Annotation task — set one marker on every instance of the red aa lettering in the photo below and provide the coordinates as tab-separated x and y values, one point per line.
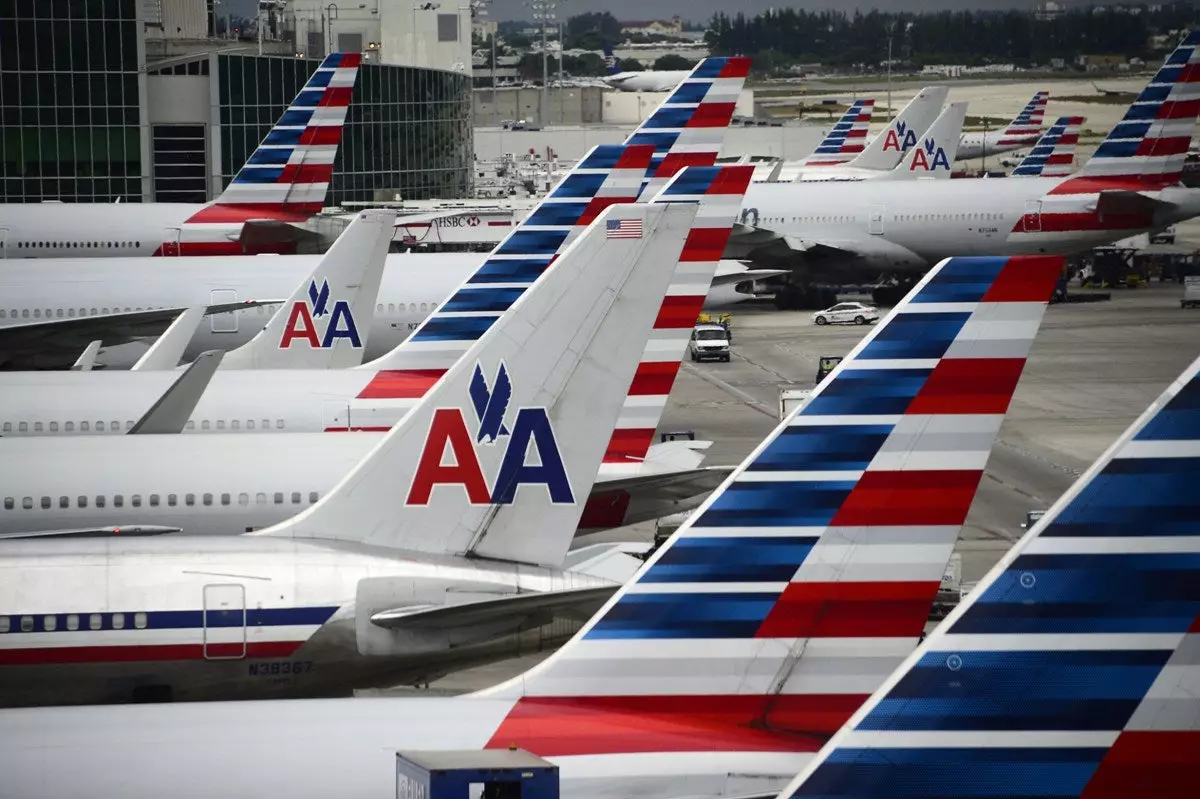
300	325
919	160
448	427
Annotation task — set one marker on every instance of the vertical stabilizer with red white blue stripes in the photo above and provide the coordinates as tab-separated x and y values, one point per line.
292	168
847	138
792	593
1150	144
1073	669
1026	127
1054	154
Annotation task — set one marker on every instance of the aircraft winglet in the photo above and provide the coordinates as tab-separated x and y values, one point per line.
549	375
326	322
168	349
1073	669
87	358
171	411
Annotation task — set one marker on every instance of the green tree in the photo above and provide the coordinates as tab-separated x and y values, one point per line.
592	30
673	63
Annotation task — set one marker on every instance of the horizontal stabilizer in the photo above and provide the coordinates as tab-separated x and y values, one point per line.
171	412
111	531
581	602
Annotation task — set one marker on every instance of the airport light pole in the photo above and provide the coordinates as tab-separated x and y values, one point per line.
543	13
331	13
891	30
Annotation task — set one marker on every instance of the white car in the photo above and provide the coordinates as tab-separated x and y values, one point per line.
847	313
709	342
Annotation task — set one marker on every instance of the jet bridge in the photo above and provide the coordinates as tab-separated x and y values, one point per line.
475	774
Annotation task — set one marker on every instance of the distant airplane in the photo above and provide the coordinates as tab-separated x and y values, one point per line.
641	81
1026	128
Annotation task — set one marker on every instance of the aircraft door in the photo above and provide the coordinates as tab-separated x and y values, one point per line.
170	243
1033	216
875	221
223	322
336	416
224	621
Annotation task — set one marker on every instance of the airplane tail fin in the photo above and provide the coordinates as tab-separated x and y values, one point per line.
848	137
325	323
788	597
719	191
550	376
611	62
1150	144
1027	125
1073	668
935	151
885	150
292	167
1054	154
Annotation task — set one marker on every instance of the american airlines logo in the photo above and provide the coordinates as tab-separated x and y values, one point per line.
530	428
301	326
929	158
899	138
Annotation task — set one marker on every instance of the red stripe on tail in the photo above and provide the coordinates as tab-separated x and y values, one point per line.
1149	764
968	385
400	384
1026	279
850	610
924	497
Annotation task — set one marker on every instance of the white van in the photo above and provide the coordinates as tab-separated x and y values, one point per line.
709	342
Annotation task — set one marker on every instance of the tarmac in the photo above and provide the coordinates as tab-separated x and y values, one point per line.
1093	369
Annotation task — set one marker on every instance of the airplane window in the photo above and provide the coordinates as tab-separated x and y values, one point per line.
295	497
249	424
8	427
313	496
379	307
27	624
279	424
27	503
278	497
235	425
99	427
260	498
23	427
118	500
103	310
392	307
220	424
191	425
139	620
137	244
208	499
189	500
69	427
243	499
37	313
81	501
54	427
94	621
93	312
171	500
5	624
73	622
118	621
45	503
129	424
24	313
3	314
204	425
136	500
8	503
58	312
64	502
49	623
412	306
37	427
83	427
424	306
154	500
224	499
266	424
99	500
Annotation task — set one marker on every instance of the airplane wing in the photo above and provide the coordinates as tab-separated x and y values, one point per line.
56	343
133	530
580	602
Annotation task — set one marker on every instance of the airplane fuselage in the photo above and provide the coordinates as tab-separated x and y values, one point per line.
113	620
981	145
645	81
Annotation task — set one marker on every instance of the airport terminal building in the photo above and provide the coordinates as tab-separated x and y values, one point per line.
106	100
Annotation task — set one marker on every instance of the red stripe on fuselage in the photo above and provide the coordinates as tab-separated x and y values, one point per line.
564	726
920	497
59	655
850	610
400	384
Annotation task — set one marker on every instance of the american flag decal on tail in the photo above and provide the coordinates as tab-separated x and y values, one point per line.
623	229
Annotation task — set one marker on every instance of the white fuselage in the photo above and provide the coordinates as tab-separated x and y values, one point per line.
223	484
980	145
645	81
182	618
90	230
897	224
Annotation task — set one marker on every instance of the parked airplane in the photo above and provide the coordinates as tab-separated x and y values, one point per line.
549	377
884	152
846	139
748	638
282	184
646	80
1073	669
889	225
1025	129
638	481
1054	154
